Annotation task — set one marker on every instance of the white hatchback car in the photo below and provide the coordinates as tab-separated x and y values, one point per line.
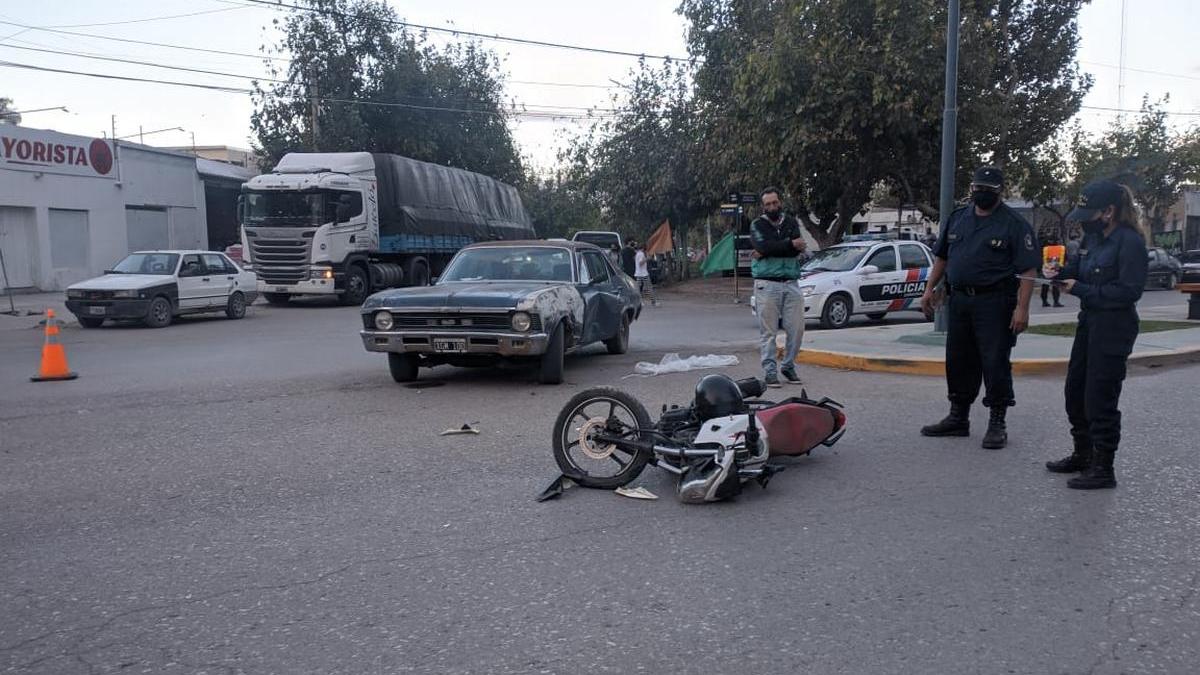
871	277
156	286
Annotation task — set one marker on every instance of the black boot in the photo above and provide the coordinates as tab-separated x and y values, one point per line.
957	423
997	432
1078	460
1099	474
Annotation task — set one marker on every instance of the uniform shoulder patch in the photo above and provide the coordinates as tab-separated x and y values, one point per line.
1028	242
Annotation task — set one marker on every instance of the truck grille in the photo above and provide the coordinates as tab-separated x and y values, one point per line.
280	261
450	322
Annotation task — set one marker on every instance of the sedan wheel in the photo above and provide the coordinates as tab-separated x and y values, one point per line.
159	314
236	307
837	312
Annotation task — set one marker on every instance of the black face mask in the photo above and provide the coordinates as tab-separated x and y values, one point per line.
1094	226
985	200
773	214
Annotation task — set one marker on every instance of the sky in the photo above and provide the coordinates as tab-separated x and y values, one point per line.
1160	59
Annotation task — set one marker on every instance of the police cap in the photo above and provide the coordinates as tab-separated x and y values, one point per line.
1094	198
989	176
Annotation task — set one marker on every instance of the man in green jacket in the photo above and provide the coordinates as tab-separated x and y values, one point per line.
776	267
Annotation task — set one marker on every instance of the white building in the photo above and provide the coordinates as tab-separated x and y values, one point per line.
71	206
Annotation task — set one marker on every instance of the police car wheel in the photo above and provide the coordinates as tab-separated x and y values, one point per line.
837	311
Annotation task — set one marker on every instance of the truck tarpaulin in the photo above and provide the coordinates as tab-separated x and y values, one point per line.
419	198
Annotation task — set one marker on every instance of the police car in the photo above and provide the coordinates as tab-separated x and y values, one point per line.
871	277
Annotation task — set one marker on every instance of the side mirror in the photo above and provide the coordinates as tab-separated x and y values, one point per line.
867	269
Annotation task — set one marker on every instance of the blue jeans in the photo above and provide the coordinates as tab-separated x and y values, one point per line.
779	304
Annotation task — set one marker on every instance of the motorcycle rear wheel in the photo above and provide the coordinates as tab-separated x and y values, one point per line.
594	464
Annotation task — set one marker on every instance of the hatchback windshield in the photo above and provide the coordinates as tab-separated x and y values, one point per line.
147	263
510	263
835	259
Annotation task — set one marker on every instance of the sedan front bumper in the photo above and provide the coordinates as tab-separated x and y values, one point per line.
132	308
455	343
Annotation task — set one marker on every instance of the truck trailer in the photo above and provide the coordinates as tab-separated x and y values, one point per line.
351	223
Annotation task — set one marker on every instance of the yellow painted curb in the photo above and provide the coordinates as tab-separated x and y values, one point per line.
937	367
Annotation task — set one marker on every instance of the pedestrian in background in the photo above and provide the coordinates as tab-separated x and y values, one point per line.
1051	289
775	267
1107	276
642	275
629	259
981	251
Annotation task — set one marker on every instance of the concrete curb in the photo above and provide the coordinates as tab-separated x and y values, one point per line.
937	367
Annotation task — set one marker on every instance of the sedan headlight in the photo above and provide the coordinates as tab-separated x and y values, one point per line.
521	322
383	320
807	290
125	294
74	293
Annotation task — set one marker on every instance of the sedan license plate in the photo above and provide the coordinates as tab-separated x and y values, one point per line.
449	345
96	309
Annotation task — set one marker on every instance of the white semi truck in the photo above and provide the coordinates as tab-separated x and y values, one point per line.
351	223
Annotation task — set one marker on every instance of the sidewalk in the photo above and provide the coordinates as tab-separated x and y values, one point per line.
915	349
31	309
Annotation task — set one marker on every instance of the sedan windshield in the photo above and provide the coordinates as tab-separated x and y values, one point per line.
835	259
147	263
510	263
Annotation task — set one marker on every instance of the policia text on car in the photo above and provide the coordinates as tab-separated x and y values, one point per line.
981	251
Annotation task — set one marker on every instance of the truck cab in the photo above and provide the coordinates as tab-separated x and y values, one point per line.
304	226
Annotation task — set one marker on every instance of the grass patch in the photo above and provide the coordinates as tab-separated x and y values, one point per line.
1147	326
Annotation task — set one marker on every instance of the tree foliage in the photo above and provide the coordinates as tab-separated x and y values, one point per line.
359	81
6	105
642	165
1141	152
831	97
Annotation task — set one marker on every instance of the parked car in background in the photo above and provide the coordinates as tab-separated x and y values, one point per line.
605	239
522	301
1164	270
154	287
1189	272
872	276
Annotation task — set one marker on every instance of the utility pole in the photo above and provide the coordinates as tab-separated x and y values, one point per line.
949	132
312	106
141	136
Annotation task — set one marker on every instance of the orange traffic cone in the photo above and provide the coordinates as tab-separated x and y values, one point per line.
54	359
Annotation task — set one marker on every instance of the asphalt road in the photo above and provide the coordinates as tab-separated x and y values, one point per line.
260	497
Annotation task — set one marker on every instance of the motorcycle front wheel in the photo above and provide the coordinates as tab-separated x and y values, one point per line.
592	463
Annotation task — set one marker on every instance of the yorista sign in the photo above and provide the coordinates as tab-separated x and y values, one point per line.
24	149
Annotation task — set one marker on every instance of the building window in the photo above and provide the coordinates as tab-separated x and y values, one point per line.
69	244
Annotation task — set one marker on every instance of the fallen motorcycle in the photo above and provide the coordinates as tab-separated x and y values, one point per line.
604	438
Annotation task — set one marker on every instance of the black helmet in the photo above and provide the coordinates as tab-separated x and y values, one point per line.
718	396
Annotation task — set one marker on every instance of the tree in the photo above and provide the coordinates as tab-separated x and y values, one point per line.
830	97
358	80
641	163
559	205
7	117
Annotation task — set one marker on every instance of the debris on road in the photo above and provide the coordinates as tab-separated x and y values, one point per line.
464	429
636	493
671	363
555	489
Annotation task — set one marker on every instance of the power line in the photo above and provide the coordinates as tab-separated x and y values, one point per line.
1141	70
145	20
514	112
148	43
1169	113
551	108
279	5
245	54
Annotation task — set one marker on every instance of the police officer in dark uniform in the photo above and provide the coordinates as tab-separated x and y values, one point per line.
981	251
1107	276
